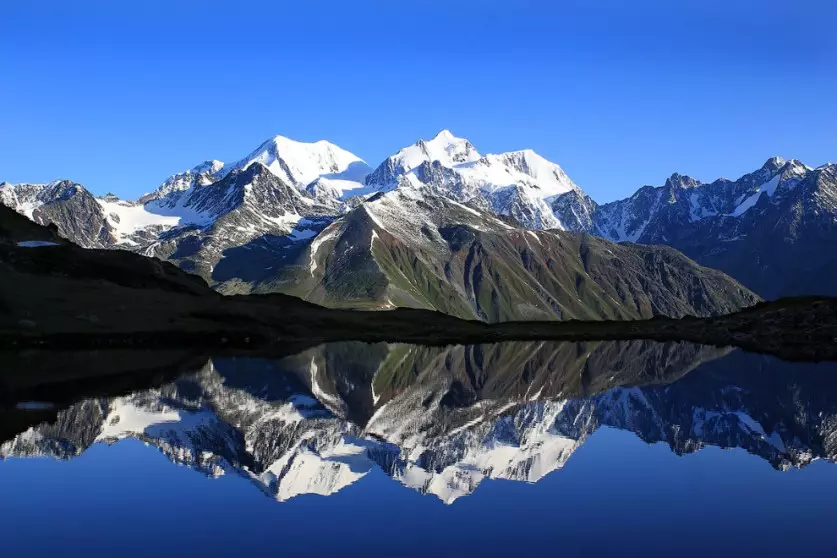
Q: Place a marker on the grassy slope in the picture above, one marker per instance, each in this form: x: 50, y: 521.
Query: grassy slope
x: 471, y: 266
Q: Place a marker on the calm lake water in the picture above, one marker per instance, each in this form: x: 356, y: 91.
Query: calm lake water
x: 589, y: 449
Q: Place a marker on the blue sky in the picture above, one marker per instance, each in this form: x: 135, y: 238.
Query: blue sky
x: 119, y: 95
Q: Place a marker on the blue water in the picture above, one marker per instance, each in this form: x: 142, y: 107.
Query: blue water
x: 616, y: 495
x: 771, y: 492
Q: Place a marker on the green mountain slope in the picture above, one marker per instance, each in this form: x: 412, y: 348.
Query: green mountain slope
x: 423, y: 251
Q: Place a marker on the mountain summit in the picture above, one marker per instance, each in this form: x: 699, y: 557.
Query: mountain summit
x: 520, y: 184
x: 299, y: 164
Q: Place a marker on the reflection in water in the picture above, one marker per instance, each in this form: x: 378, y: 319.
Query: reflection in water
x: 440, y: 420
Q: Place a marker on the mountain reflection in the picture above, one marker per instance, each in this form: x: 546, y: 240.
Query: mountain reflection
x: 440, y: 420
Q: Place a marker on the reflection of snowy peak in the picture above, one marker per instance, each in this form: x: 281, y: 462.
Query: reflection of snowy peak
x: 441, y: 420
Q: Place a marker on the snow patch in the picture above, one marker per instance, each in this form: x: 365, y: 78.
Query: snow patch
x: 126, y: 218
x: 325, y: 235
x: 746, y: 204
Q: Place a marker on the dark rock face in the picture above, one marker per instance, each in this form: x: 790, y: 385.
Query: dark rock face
x: 67, y: 205
x: 575, y: 210
x: 77, y: 215
x: 247, y: 210
x: 771, y: 229
x: 782, y: 247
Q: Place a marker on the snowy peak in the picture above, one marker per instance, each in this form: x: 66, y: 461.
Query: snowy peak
x: 26, y: 198
x: 321, y: 169
x: 727, y: 224
x: 20, y: 197
x: 299, y: 163
x: 211, y: 167
x: 794, y: 170
x: 445, y: 148
x: 773, y: 164
x: 681, y: 181
x: 526, y: 166
x: 521, y: 184
x: 447, y: 137
x: 200, y: 175
x: 254, y: 189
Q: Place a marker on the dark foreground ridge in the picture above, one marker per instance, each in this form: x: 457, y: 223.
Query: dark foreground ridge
x: 66, y: 297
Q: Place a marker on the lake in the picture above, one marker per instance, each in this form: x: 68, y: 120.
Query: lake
x: 352, y: 449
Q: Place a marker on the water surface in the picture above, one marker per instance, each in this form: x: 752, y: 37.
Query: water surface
x: 559, y: 448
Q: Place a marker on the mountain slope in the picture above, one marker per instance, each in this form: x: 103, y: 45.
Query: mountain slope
x: 412, y: 248
x: 68, y: 205
x: 246, y: 206
x: 771, y: 229
x: 58, y: 295
x: 783, y: 245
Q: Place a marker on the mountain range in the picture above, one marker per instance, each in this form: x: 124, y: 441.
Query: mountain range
x: 441, y: 420
x: 440, y: 226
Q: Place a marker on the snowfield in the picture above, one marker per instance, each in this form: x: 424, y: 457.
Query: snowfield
x: 126, y: 218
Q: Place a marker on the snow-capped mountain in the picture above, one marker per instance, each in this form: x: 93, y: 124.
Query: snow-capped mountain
x: 269, y: 191
x: 436, y: 226
x: 91, y: 222
x: 521, y: 184
x: 223, y: 218
x: 442, y: 420
x: 319, y: 167
x: 256, y: 225
x: 770, y: 229
x: 201, y: 175
x: 77, y: 214
x: 445, y: 148
x: 644, y: 216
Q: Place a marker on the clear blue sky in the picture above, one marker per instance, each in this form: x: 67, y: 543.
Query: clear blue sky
x: 119, y: 95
